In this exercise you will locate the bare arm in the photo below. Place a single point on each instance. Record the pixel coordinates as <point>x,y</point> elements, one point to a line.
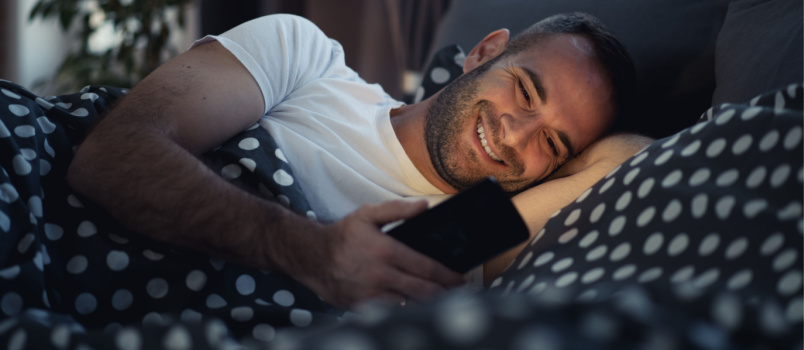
<point>537,204</point>
<point>140,163</point>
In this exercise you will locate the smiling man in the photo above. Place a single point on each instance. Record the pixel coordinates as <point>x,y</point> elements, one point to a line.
<point>522,110</point>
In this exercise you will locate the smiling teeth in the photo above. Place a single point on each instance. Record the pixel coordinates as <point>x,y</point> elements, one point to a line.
<point>484,143</point>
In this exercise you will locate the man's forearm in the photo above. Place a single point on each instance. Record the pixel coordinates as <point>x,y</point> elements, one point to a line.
<point>155,187</point>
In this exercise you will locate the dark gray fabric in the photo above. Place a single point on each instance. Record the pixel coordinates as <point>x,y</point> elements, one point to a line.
<point>672,43</point>
<point>759,49</point>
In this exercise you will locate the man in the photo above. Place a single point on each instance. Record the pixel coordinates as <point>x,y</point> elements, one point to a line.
<point>520,112</point>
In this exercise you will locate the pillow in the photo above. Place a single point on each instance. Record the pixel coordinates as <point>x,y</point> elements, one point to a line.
<point>758,49</point>
<point>672,43</point>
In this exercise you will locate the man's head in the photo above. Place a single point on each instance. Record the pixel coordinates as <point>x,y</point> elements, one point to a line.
<point>525,107</point>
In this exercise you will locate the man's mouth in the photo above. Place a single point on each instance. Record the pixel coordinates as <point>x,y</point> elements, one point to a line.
<point>482,134</point>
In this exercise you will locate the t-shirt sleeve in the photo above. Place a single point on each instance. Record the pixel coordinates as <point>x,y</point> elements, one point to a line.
<point>282,52</point>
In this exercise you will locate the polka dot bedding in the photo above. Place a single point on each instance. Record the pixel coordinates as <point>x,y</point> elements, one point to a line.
<point>70,277</point>
<point>693,243</point>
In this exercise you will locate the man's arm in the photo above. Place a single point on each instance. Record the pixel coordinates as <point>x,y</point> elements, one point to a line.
<point>537,204</point>
<point>140,163</point>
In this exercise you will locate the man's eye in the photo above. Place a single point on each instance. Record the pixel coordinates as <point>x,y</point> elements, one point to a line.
<point>524,92</point>
<point>553,146</point>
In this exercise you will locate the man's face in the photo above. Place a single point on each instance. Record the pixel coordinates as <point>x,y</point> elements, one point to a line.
<point>520,117</point>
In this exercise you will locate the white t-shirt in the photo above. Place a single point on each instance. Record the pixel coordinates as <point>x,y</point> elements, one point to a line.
<point>332,126</point>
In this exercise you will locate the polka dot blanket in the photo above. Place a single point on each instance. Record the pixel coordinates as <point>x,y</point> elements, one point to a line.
<point>694,243</point>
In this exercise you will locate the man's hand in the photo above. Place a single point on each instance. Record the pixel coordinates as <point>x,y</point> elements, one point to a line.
<point>361,263</point>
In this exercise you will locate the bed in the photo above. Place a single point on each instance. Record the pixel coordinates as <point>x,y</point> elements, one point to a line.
<point>695,242</point>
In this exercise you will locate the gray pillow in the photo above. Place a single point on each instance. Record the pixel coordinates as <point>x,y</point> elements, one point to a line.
<point>759,49</point>
<point>672,43</point>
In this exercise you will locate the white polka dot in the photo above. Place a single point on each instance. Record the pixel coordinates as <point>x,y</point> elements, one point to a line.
<point>64,105</point>
<point>215,301</point>
<point>740,279</point>
<point>593,275</point>
<point>672,178</point>
<point>709,244</point>
<point>780,175</point>
<point>727,311</point>
<point>778,102</point>
<point>723,207</point>
<point>231,171</point>
<point>8,193</point>
<point>152,255</point>
<point>242,313</point>
<point>691,148</point>
<point>638,159</point>
<point>678,245</point>
<point>561,265</point>
<point>282,178</point>
<point>769,140</point>
<point>672,141</point>
<point>459,59</point>
<point>25,243</point>
<point>526,283</point>
<point>683,274</point>
<point>419,94</point>
<point>5,222</point>
<point>653,243</point>
<point>18,110</point>
<point>263,332</point>
<point>245,285</point>
<point>157,288</point>
<point>122,299</point>
<point>439,75</point>
<point>11,303</point>
<point>795,310</point>
<point>606,186</point>
<point>772,244</point>
<point>756,177</point>
<point>566,279</point>
<point>624,272</point>
<point>650,274</point>
<point>85,303</point>
<point>543,259</point>
<point>663,158</point>
<point>196,280</point>
<point>785,259</point>
<point>10,272</point>
<point>597,213</point>
<point>596,253</point>
<point>724,117</point>
<point>672,211</point>
<point>248,144</point>
<point>301,318</point>
<point>567,236</point>
<point>21,166</point>
<point>189,315</point>
<point>715,148</point>
<point>80,112</point>
<point>707,278</point>
<point>248,163</point>
<point>77,264</point>
<point>588,239</point>
<point>630,176</point>
<point>86,229</point>
<point>525,260</point>
<point>128,339</point>
<point>750,113</point>
<point>117,260</point>
<point>73,201</point>
<point>699,205</point>
<point>572,217</point>
<point>91,96</point>
<point>46,125</point>
<point>4,132</point>
<point>284,298</point>
<point>177,338</point>
<point>790,283</point>
<point>793,138</point>
<point>584,195</point>
<point>754,207</point>
<point>792,210</point>
<point>727,178</point>
<point>736,248</point>
<point>623,201</point>
<point>620,252</point>
<point>10,94</point>
<point>699,177</point>
<point>617,225</point>
<point>278,153</point>
<point>742,144</point>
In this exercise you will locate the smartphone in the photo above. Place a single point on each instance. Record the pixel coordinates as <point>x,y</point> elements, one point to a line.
<point>467,229</point>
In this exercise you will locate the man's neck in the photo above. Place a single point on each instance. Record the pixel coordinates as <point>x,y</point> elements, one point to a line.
<point>408,122</point>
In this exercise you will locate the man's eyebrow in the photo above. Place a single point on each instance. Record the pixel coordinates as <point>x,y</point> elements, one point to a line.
<point>537,84</point>
<point>565,140</point>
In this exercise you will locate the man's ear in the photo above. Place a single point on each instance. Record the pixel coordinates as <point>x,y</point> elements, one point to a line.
<point>491,46</point>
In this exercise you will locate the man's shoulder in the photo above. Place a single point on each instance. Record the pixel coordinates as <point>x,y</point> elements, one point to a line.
<point>609,151</point>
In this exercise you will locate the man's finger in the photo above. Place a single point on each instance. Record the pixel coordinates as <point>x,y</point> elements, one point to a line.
<point>418,264</point>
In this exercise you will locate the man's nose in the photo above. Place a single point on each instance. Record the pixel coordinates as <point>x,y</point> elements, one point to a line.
<point>519,130</point>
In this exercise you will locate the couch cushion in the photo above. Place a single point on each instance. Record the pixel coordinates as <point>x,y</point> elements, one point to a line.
<point>758,49</point>
<point>672,43</point>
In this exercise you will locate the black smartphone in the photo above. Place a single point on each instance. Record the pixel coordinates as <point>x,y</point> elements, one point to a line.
<point>467,229</point>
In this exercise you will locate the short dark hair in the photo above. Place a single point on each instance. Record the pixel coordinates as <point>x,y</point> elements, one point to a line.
<point>609,51</point>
